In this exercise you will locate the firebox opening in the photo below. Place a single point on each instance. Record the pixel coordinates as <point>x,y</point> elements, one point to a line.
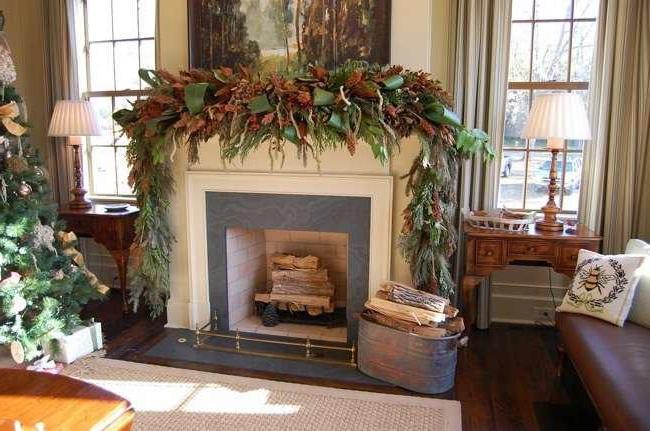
<point>301,296</point>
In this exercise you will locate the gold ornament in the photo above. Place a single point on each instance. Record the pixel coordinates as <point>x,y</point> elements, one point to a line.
<point>15,164</point>
<point>24,189</point>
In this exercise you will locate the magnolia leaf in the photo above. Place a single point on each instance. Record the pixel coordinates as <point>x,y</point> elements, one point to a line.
<point>149,76</point>
<point>323,97</point>
<point>260,104</point>
<point>125,117</point>
<point>220,76</point>
<point>393,82</point>
<point>438,113</point>
<point>194,95</point>
<point>291,134</point>
<point>336,121</point>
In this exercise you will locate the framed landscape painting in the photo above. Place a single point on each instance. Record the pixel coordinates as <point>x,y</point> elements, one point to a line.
<point>286,35</point>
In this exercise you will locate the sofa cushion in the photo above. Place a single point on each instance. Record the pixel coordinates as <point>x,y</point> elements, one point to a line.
<point>603,286</point>
<point>640,311</point>
<point>614,366</point>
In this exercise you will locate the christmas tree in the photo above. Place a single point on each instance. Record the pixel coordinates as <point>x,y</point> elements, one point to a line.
<point>43,281</point>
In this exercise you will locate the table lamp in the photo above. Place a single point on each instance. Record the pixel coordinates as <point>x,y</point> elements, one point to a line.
<point>555,117</point>
<point>74,119</point>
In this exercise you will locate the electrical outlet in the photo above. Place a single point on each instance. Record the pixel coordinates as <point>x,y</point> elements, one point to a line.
<point>544,314</point>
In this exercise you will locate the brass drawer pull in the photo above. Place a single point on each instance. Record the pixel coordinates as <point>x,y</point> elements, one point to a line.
<point>489,253</point>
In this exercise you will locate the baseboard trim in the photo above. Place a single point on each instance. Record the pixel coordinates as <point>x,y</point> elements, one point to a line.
<point>518,321</point>
<point>177,314</point>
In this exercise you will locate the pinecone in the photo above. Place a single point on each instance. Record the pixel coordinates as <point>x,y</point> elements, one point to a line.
<point>270,315</point>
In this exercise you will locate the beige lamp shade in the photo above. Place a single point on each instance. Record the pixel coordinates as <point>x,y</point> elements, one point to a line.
<point>74,118</point>
<point>557,116</point>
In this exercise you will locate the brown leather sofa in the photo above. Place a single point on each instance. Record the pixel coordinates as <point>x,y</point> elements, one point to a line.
<point>614,366</point>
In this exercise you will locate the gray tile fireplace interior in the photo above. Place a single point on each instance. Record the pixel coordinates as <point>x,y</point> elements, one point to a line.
<point>244,229</point>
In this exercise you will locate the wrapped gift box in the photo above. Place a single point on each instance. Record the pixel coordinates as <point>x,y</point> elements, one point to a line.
<point>82,341</point>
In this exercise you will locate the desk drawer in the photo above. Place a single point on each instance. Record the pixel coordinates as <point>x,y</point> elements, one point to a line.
<point>489,252</point>
<point>530,248</point>
<point>568,256</point>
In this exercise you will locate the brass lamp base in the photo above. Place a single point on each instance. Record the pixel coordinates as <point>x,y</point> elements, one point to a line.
<point>80,202</point>
<point>550,223</point>
<point>549,226</point>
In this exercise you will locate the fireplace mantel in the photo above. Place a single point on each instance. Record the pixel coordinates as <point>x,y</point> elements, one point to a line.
<point>199,183</point>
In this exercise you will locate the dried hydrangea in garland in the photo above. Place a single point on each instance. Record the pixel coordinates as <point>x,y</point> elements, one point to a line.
<point>327,110</point>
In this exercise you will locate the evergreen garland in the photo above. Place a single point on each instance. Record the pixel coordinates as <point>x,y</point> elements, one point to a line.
<point>326,110</point>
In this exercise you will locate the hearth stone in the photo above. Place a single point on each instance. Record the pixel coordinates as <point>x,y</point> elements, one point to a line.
<point>349,215</point>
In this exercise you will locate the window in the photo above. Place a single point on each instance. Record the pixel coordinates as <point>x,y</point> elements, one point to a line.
<point>551,48</point>
<point>115,39</point>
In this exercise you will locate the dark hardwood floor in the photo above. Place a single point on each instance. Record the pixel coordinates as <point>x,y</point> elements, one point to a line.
<point>505,377</point>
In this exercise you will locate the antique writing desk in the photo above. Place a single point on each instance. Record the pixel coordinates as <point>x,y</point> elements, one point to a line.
<point>490,250</point>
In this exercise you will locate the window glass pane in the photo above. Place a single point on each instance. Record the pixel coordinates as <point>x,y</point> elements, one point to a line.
<point>522,9</point>
<point>584,37</point>
<point>539,166</point>
<point>573,145</point>
<point>585,8</point>
<point>103,170</point>
<point>125,19</point>
<point>552,9</point>
<point>103,108</point>
<point>99,20</point>
<point>538,144</point>
<point>147,14</point>
<point>516,115</point>
<point>123,187</point>
<point>519,68</point>
<point>551,51</point>
<point>511,187</point>
<point>101,66</point>
<point>571,189</point>
<point>127,65</point>
<point>147,58</point>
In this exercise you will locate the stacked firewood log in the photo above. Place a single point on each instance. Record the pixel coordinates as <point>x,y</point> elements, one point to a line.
<point>410,310</point>
<point>299,284</point>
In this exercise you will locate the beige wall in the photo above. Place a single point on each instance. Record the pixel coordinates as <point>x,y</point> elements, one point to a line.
<point>418,34</point>
<point>25,34</point>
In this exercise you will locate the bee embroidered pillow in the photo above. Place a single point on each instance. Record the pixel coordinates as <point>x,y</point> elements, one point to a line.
<point>603,286</point>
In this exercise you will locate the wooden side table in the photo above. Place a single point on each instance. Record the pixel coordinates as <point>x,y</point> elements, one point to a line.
<point>60,402</point>
<point>114,230</point>
<point>491,250</point>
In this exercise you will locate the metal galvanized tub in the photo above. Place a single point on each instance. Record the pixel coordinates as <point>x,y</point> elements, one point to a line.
<point>410,361</point>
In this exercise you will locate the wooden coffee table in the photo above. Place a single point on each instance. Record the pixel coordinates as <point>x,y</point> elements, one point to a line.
<point>59,402</point>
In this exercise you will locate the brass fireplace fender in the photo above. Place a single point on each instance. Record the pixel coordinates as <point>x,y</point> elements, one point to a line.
<point>200,333</point>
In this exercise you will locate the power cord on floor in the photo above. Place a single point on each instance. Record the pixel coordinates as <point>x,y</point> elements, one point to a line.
<point>550,287</point>
<point>551,322</point>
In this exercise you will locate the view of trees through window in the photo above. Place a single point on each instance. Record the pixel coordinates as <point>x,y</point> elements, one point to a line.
<point>551,49</point>
<point>115,39</point>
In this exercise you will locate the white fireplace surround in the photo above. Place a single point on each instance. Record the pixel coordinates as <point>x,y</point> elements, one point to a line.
<point>378,188</point>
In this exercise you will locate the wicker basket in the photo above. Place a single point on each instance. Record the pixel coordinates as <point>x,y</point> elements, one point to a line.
<point>502,220</point>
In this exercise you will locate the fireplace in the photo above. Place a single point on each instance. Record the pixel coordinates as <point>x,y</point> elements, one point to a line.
<point>344,220</point>
<point>253,218</point>
<point>250,268</point>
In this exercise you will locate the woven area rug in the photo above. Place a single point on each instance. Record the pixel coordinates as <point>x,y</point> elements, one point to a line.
<point>175,399</point>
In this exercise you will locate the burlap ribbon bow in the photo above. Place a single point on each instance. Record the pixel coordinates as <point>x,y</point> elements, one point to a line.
<point>7,114</point>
